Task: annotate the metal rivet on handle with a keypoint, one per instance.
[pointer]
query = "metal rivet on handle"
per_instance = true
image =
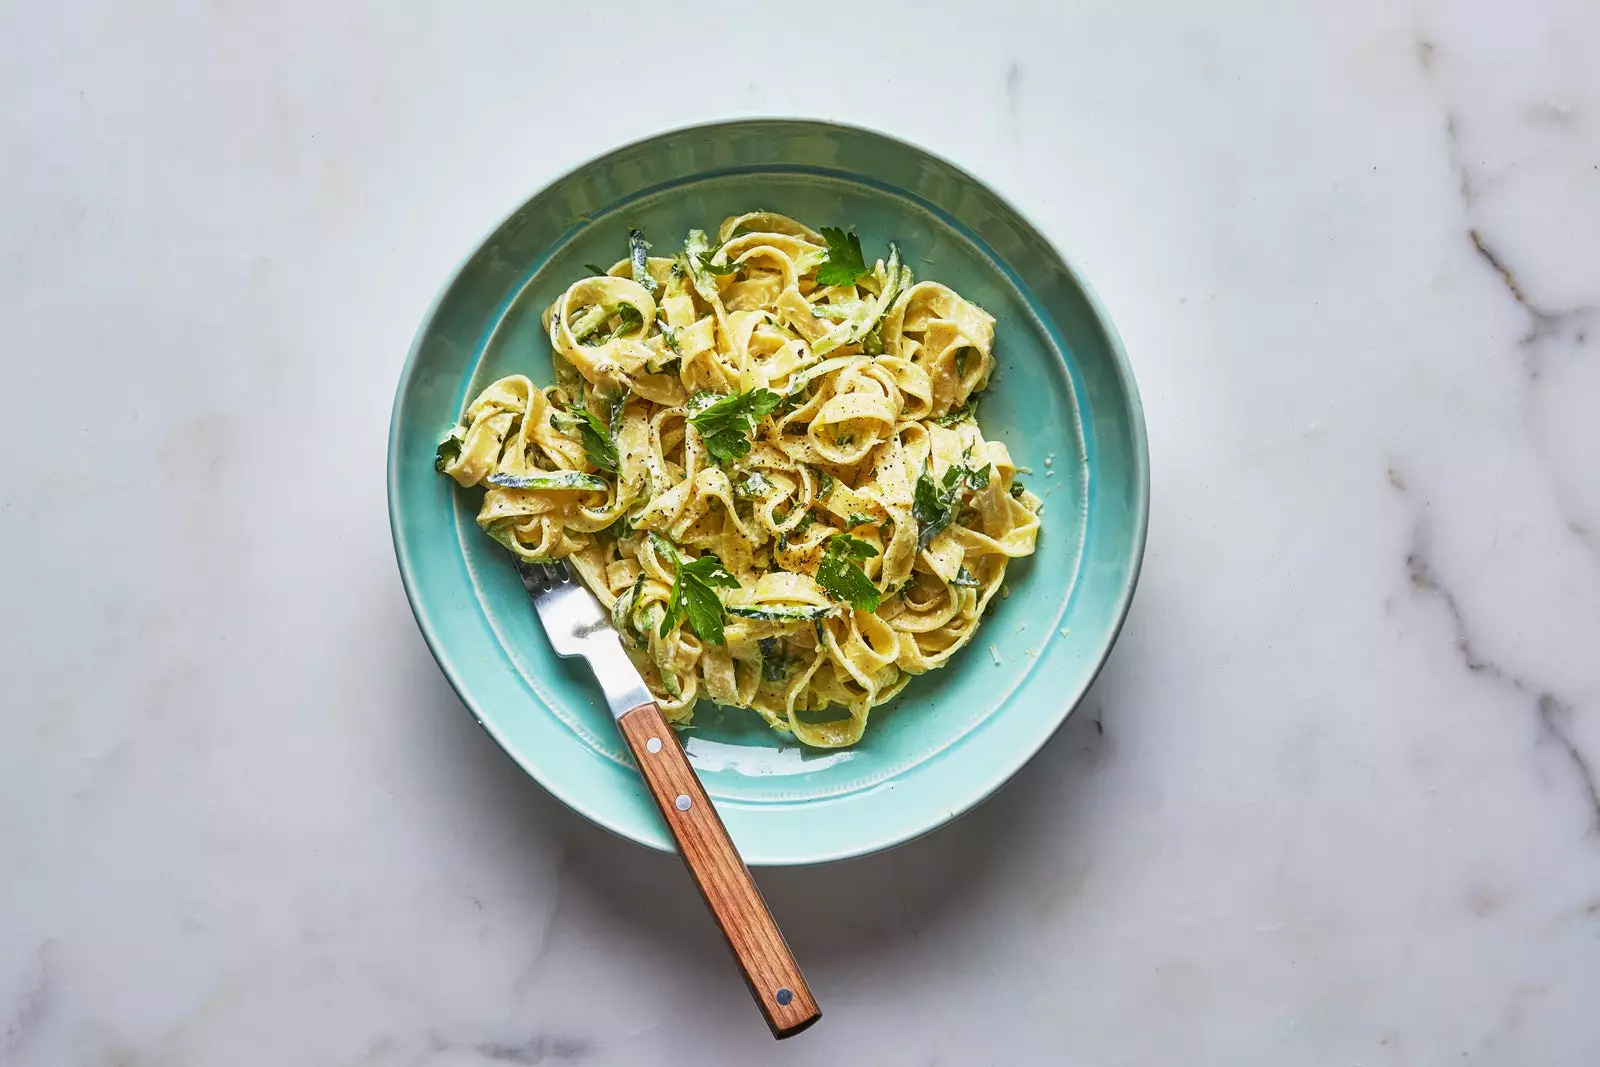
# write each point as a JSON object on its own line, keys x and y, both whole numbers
{"x": 653, "y": 745}
{"x": 683, "y": 802}
{"x": 784, "y": 996}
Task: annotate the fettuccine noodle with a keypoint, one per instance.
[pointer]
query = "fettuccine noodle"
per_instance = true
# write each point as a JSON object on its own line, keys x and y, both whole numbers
{"x": 859, "y": 519}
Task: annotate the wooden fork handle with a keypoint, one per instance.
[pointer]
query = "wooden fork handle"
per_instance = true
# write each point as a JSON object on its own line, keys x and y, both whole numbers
{"x": 724, "y": 880}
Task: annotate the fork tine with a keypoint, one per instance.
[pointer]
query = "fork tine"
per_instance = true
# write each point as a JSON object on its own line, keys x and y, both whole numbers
{"x": 533, "y": 576}
{"x": 561, "y": 572}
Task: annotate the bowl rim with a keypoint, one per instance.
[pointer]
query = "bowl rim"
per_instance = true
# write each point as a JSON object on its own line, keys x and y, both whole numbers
{"x": 1003, "y": 772}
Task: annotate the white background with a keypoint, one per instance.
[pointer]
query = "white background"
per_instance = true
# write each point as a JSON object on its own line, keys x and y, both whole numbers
{"x": 1332, "y": 802}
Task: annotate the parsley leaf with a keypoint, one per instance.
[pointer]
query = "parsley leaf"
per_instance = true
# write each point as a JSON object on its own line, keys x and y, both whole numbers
{"x": 598, "y": 445}
{"x": 1017, "y": 489}
{"x": 719, "y": 268}
{"x": 806, "y": 522}
{"x": 934, "y": 503}
{"x": 726, "y": 425}
{"x": 843, "y": 265}
{"x": 858, "y": 519}
{"x": 794, "y": 398}
{"x": 964, "y": 579}
{"x": 824, "y": 484}
{"x": 841, "y": 575}
{"x": 694, "y": 591}
{"x": 449, "y": 449}
{"x": 969, "y": 410}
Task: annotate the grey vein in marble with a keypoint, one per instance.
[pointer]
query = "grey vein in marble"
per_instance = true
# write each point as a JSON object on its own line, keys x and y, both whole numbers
{"x": 1551, "y": 711}
{"x": 30, "y": 1006}
{"x": 1545, "y": 324}
{"x": 541, "y": 1048}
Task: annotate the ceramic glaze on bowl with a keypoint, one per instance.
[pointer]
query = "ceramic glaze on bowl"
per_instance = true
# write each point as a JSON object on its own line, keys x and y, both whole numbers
{"x": 1062, "y": 399}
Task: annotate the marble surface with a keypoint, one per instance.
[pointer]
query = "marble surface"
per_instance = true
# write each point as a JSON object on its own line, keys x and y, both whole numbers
{"x": 1334, "y": 800}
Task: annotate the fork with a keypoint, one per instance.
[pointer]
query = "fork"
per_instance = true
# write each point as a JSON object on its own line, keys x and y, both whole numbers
{"x": 578, "y": 627}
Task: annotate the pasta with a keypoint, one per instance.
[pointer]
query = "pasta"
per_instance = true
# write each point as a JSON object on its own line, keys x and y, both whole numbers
{"x": 762, "y": 456}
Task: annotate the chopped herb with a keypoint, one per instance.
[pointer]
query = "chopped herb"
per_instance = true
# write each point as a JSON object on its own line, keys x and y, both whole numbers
{"x": 824, "y": 484}
{"x": 933, "y": 504}
{"x": 845, "y": 440}
{"x": 598, "y": 445}
{"x": 872, "y": 343}
{"x": 841, "y": 575}
{"x": 694, "y": 593}
{"x": 699, "y": 400}
{"x": 1017, "y": 489}
{"x": 637, "y": 246}
{"x": 793, "y": 398}
{"x": 806, "y": 522}
{"x": 962, "y": 355}
{"x": 725, "y": 426}
{"x": 858, "y": 519}
{"x": 969, "y": 410}
{"x": 774, "y": 665}
{"x": 449, "y": 449}
{"x": 964, "y": 579}
{"x": 719, "y": 269}
{"x": 754, "y": 485}
{"x": 844, "y": 264}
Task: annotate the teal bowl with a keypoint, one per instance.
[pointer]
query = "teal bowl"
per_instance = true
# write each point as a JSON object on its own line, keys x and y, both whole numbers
{"x": 1063, "y": 401}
